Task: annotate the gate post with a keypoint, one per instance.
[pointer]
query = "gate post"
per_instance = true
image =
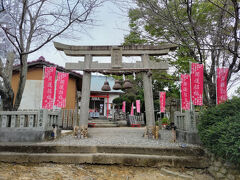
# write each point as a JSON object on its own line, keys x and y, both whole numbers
{"x": 86, "y": 83}
{"x": 148, "y": 99}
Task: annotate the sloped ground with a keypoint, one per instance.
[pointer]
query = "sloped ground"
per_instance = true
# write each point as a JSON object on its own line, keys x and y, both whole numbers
{"x": 95, "y": 172}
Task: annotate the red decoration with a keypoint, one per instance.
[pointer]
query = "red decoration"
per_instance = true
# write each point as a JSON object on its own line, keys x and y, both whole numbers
{"x": 124, "y": 106}
{"x": 162, "y": 98}
{"x": 185, "y": 91}
{"x": 138, "y": 106}
{"x": 132, "y": 111}
{"x": 197, "y": 84}
{"x": 222, "y": 74}
{"x": 48, "y": 88}
{"x": 61, "y": 89}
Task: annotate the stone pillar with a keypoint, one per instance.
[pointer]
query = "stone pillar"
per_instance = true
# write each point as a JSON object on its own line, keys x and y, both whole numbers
{"x": 148, "y": 99}
{"x": 86, "y": 82}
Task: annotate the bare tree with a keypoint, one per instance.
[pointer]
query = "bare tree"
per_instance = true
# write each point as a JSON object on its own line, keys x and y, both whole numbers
{"x": 33, "y": 24}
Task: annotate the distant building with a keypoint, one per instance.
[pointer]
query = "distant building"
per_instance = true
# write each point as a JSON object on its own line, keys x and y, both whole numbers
{"x": 32, "y": 95}
{"x": 101, "y": 101}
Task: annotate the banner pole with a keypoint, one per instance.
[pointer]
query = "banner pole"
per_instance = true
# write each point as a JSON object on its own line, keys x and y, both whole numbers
{"x": 216, "y": 75}
{"x": 190, "y": 72}
{"x": 43, "y": 74}
{"x": 180, "y": 93}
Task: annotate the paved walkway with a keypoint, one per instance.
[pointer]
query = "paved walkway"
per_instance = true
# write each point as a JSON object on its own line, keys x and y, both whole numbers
{"x": 118, "y": 136}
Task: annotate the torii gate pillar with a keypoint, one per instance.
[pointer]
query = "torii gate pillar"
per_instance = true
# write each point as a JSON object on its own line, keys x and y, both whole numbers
{"x": 148, "y": 99}
{"x": 86, "y": 83}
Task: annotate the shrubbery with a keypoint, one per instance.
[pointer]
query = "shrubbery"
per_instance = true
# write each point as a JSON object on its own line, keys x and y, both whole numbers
{"x": 219, "y": 130}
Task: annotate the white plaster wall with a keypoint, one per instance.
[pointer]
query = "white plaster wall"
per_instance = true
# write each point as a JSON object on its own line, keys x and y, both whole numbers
{"x": 32, "y": 95}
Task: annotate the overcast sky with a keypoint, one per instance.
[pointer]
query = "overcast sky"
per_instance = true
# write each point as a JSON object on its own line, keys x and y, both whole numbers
{"x": 111, "y": 26}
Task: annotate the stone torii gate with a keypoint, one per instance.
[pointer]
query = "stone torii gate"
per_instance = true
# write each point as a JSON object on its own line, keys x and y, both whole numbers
{"x": 117, "y": 67}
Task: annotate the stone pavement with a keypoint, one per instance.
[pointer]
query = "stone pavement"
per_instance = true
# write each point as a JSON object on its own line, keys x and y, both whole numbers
{"x": 118, "y": 136}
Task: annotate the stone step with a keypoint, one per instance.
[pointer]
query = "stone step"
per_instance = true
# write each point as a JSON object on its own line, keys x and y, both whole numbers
{"x": 106, "y": 158}
{"x": 49, "y": 148}
{"x": 102, "y": 122}
{"x": 105, "y": 125}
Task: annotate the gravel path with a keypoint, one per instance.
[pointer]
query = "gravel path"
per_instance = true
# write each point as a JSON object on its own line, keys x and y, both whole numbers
{"x": 118, "y": 136}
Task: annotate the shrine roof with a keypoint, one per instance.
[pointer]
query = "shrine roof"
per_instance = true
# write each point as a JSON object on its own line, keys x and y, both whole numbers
{"x": 98, "y": 81}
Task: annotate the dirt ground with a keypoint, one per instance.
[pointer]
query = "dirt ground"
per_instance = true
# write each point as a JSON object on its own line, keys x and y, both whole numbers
{"x": 48, "y": 171}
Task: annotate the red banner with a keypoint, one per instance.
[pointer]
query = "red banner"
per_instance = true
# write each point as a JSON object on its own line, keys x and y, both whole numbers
{"x": 138, "y": 106}
{"x": 197, "y": 84}
{"x": 124, "y": 106}
{"x": 185, "y": 91}
{"x": 132, "y": 111}
{"x": 61, "y": 89}
{"x": 162, "y": 98}
{"x": 222, "y": 74}
{"x": 48, "y": 87}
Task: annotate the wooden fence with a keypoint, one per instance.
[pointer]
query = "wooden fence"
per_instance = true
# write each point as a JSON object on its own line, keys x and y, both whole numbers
{"x": 69, "y": 118}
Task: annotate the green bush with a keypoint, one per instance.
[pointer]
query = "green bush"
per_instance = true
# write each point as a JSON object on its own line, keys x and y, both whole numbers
{"x": 165, "y": 120}
{"x": 219, "y": 130}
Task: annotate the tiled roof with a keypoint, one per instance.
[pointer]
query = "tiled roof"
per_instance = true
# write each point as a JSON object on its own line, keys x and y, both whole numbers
{"x": 98, "y": 81}
{"x": 42, "y": 62}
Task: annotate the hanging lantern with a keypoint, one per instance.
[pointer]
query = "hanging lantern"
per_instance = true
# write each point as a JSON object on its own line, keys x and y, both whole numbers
{"x": 117, "y": 85}
{"x": 106, "y": 86}
{"x": 127, "y": 84}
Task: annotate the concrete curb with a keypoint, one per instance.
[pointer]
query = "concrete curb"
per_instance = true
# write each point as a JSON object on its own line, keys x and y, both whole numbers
{"x": 122, "y": 155}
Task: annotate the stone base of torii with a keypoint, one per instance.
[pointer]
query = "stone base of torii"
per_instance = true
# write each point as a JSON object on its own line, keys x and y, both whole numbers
{"x": 117, "y": 67}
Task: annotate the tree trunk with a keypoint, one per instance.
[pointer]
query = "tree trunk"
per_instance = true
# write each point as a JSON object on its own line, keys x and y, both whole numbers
{"x": 22, "y": 81}
{"x": 7, "y": 100}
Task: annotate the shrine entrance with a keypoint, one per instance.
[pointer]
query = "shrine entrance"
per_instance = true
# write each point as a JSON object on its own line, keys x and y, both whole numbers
{"x": 117, "y": 67}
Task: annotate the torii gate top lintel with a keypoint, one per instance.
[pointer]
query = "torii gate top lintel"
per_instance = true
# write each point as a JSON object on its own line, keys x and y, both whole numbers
{"x": 133, "y": 50}
{"x": 116, "y": 52}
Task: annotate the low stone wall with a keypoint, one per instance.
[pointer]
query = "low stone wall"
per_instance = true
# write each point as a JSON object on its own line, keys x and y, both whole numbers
{"x": 186, "y": 124}
{"x": 221, "y": 170}
{"x": 27, "y": 126}
{"x": 188, "y": 137}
